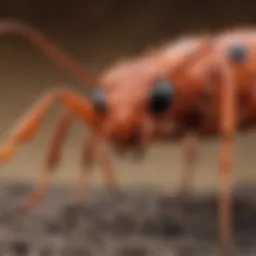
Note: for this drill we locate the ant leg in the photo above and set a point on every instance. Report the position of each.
(226, 150)
(52, 160)
(90, 149)
(190, 156)
(87, 159)
(227, 130)
(105, 163)
(25, 130)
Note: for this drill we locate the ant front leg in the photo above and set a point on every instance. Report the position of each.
(105, 163)
(52, 160)
(190, 149)
(94, 147)
(76, 105)
(87, 159)
(26, 129)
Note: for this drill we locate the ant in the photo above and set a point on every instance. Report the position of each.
(109, 111)
(200, 86)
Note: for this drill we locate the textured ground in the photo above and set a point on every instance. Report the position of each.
(123, 223)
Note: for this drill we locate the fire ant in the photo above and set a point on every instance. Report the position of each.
(191, 86)
(109, 111)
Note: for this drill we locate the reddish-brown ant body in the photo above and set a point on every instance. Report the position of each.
(110, 112)
(216, 95)
(204, 86)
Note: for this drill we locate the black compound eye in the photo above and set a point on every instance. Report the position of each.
(237, 53)
(160, 97)
(98, 101)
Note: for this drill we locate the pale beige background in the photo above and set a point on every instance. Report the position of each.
(121, 31)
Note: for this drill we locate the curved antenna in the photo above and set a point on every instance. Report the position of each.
(14, 27)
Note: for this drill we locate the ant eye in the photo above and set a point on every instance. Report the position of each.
(98, 101)
(237, 53)
(160, 97)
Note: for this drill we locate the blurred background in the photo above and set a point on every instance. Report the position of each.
(98, 33)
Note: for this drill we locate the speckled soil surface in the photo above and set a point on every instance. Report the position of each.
(123, 223)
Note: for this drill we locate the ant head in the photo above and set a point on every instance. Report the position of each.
(136, 98)
(130, 100)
